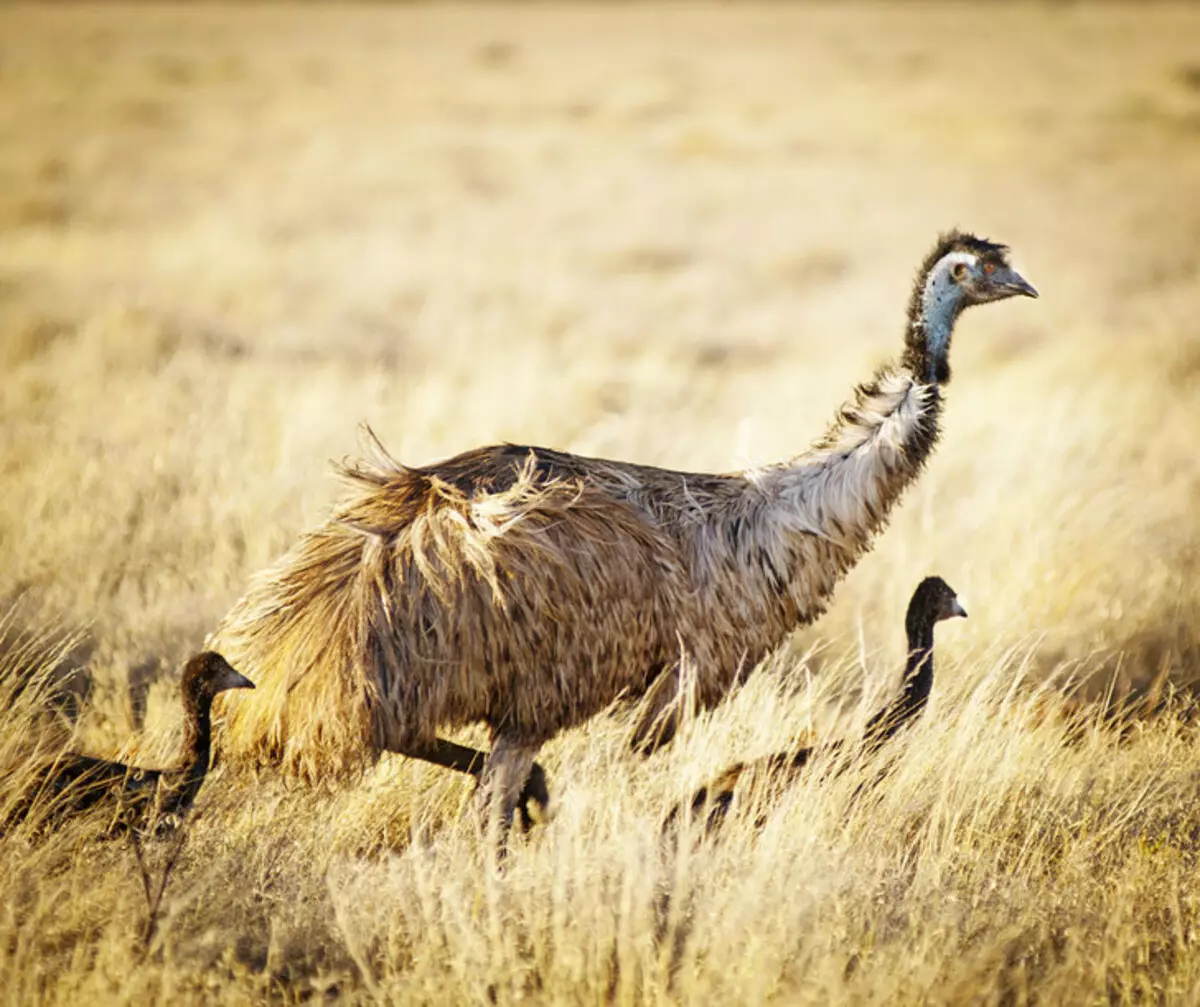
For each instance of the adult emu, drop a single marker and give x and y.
(528, 589)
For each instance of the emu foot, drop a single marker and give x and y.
(533, 804)
(652, 733)
(512, 784)
(710, 803)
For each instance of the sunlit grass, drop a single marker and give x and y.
(676, 235)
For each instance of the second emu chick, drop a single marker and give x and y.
(933, 601)
(146, 798)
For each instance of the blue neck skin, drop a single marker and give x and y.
(941, 301)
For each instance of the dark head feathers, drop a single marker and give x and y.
(955, 240)
(932, 601)
(208, 673)
(952, 241)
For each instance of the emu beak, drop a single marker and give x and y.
(1013, 283)
(956, 608)
(236, 680)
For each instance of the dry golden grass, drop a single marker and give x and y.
(675, 234)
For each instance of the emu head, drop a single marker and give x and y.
(933, 601)
(208, 673)
(962, 270)
(982, 272)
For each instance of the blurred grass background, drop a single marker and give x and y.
(672, 233)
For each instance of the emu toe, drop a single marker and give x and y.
(533, 806)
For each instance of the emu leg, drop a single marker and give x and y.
(446, 753)
(713, 800)
(507, 774)
(661, 715)
(464, 759)
(714, 797)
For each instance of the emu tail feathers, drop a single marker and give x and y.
(354, 638)
(298, 634)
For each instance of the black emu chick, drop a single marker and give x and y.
(146, 798)
(933, 601)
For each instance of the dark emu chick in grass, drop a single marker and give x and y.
(933, 601)
(528, 589)
(145, 799)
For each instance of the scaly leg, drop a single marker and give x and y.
(661, 716)
(507, 775)
(472, 761)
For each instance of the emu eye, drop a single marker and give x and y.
(989, 268)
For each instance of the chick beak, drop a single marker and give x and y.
(236, 680)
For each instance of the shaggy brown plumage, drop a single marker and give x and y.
(137, 797)
(528, 588)
(932, 601)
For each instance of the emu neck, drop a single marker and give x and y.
(197, 737)
(936, 304)
(805, 523)
(918, 671)
(918, 682)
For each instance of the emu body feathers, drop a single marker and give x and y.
(534, 606)
(528, 588)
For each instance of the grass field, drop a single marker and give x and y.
(676, 234)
